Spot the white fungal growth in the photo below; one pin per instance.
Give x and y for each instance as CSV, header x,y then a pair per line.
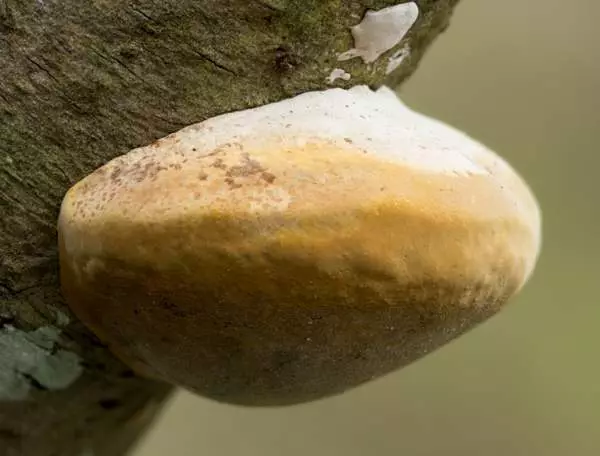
x,y
338,73
397,58
380,31
374,121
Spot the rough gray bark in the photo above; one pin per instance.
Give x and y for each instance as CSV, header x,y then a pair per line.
x,y
82,82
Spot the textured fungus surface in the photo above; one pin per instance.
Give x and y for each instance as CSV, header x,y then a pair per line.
x,y
292,251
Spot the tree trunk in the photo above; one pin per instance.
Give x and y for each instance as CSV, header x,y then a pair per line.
x,y
83,82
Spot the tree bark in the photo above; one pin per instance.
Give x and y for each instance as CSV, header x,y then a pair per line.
x,y
83,82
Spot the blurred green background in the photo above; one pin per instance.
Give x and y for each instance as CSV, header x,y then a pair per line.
x,y
523,76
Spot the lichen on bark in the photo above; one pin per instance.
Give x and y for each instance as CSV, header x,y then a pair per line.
x,y
83,82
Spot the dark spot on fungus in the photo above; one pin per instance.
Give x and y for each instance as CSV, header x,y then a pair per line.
x,y
115,174
232,183
219,164
268,177
249,167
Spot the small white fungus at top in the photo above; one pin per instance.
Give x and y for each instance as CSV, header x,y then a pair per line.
x,y
338,73
380,31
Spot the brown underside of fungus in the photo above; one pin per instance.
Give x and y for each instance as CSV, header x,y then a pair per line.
x,y
293,251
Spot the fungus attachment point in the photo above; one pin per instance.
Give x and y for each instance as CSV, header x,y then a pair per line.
x,y
290,252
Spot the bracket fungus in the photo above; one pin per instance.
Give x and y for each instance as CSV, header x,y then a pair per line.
x,y
290,252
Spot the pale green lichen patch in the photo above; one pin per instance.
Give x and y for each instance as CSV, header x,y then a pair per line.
x,y
31,360
62,319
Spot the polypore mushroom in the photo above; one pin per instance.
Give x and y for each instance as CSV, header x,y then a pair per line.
x,y
289,252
